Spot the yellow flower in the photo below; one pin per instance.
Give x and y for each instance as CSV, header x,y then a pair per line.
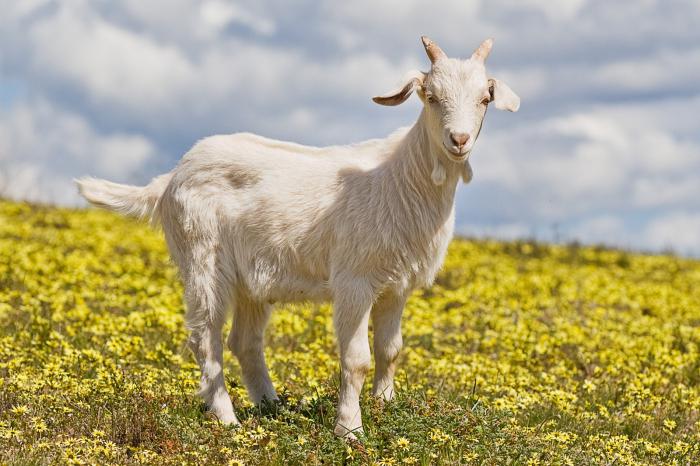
x,y
402,443
20,410
651,448
589,386
39,425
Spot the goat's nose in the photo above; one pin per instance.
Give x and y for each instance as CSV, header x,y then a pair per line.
x,y
459,139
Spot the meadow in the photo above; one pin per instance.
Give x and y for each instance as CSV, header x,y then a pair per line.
x,y
521,353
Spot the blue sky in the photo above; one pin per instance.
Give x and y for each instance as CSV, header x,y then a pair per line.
x,y
605,148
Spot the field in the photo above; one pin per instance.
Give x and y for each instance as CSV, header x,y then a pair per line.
x,y
521,353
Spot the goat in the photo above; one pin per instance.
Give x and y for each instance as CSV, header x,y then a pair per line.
x,y
251,221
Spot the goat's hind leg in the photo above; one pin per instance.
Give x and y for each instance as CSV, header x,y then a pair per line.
x,y
208,300
208,349
246,343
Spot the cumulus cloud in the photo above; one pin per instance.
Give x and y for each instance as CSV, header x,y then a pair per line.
x,y
677,231
43,148
604,229
112,65
220,14
589,172
604,148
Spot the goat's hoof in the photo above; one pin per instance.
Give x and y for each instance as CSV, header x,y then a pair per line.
x,y
230,422
383,389
225,419
348,434
265,401
268,406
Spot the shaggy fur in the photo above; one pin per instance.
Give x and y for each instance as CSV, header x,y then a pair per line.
x,y
251,221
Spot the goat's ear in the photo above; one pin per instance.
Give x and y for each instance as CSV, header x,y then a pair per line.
x,y
413,81
503,96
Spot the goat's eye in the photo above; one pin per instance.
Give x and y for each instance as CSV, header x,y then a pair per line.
x,y
430,97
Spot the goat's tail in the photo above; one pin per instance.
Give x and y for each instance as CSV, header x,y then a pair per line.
x,y
133,201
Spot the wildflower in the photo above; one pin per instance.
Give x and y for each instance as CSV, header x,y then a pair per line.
x,y
387,462
681,447
402,443
39,425
589,386
20,410
651,448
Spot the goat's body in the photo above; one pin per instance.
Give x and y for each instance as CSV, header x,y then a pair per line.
x,y
287,216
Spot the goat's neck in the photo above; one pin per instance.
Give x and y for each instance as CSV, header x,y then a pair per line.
x,y
410,167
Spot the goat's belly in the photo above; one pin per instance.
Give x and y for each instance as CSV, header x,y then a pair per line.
x,y
276,285
292,291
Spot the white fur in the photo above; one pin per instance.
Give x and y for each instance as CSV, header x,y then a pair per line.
x,y
251,221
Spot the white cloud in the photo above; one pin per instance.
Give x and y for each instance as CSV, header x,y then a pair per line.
x,y
679,231
42,149
112,65
14,12
590,171
605,229
662,191
504,231
606,156
671,69
562,10
219,14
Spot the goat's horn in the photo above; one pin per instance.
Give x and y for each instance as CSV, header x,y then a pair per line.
x,y
434,52
483,50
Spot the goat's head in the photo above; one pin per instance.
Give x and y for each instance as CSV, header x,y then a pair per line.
x,y
455,94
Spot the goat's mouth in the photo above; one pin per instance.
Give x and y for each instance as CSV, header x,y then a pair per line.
x,y
456,154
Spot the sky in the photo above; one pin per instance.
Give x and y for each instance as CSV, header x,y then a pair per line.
x,y
605,148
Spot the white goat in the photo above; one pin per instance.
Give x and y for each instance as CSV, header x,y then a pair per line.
x,y
251,221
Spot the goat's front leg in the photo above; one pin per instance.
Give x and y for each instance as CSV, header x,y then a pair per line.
x,y
386,317
352,306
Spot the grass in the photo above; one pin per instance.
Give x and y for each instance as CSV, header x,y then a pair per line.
x,y
521,353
